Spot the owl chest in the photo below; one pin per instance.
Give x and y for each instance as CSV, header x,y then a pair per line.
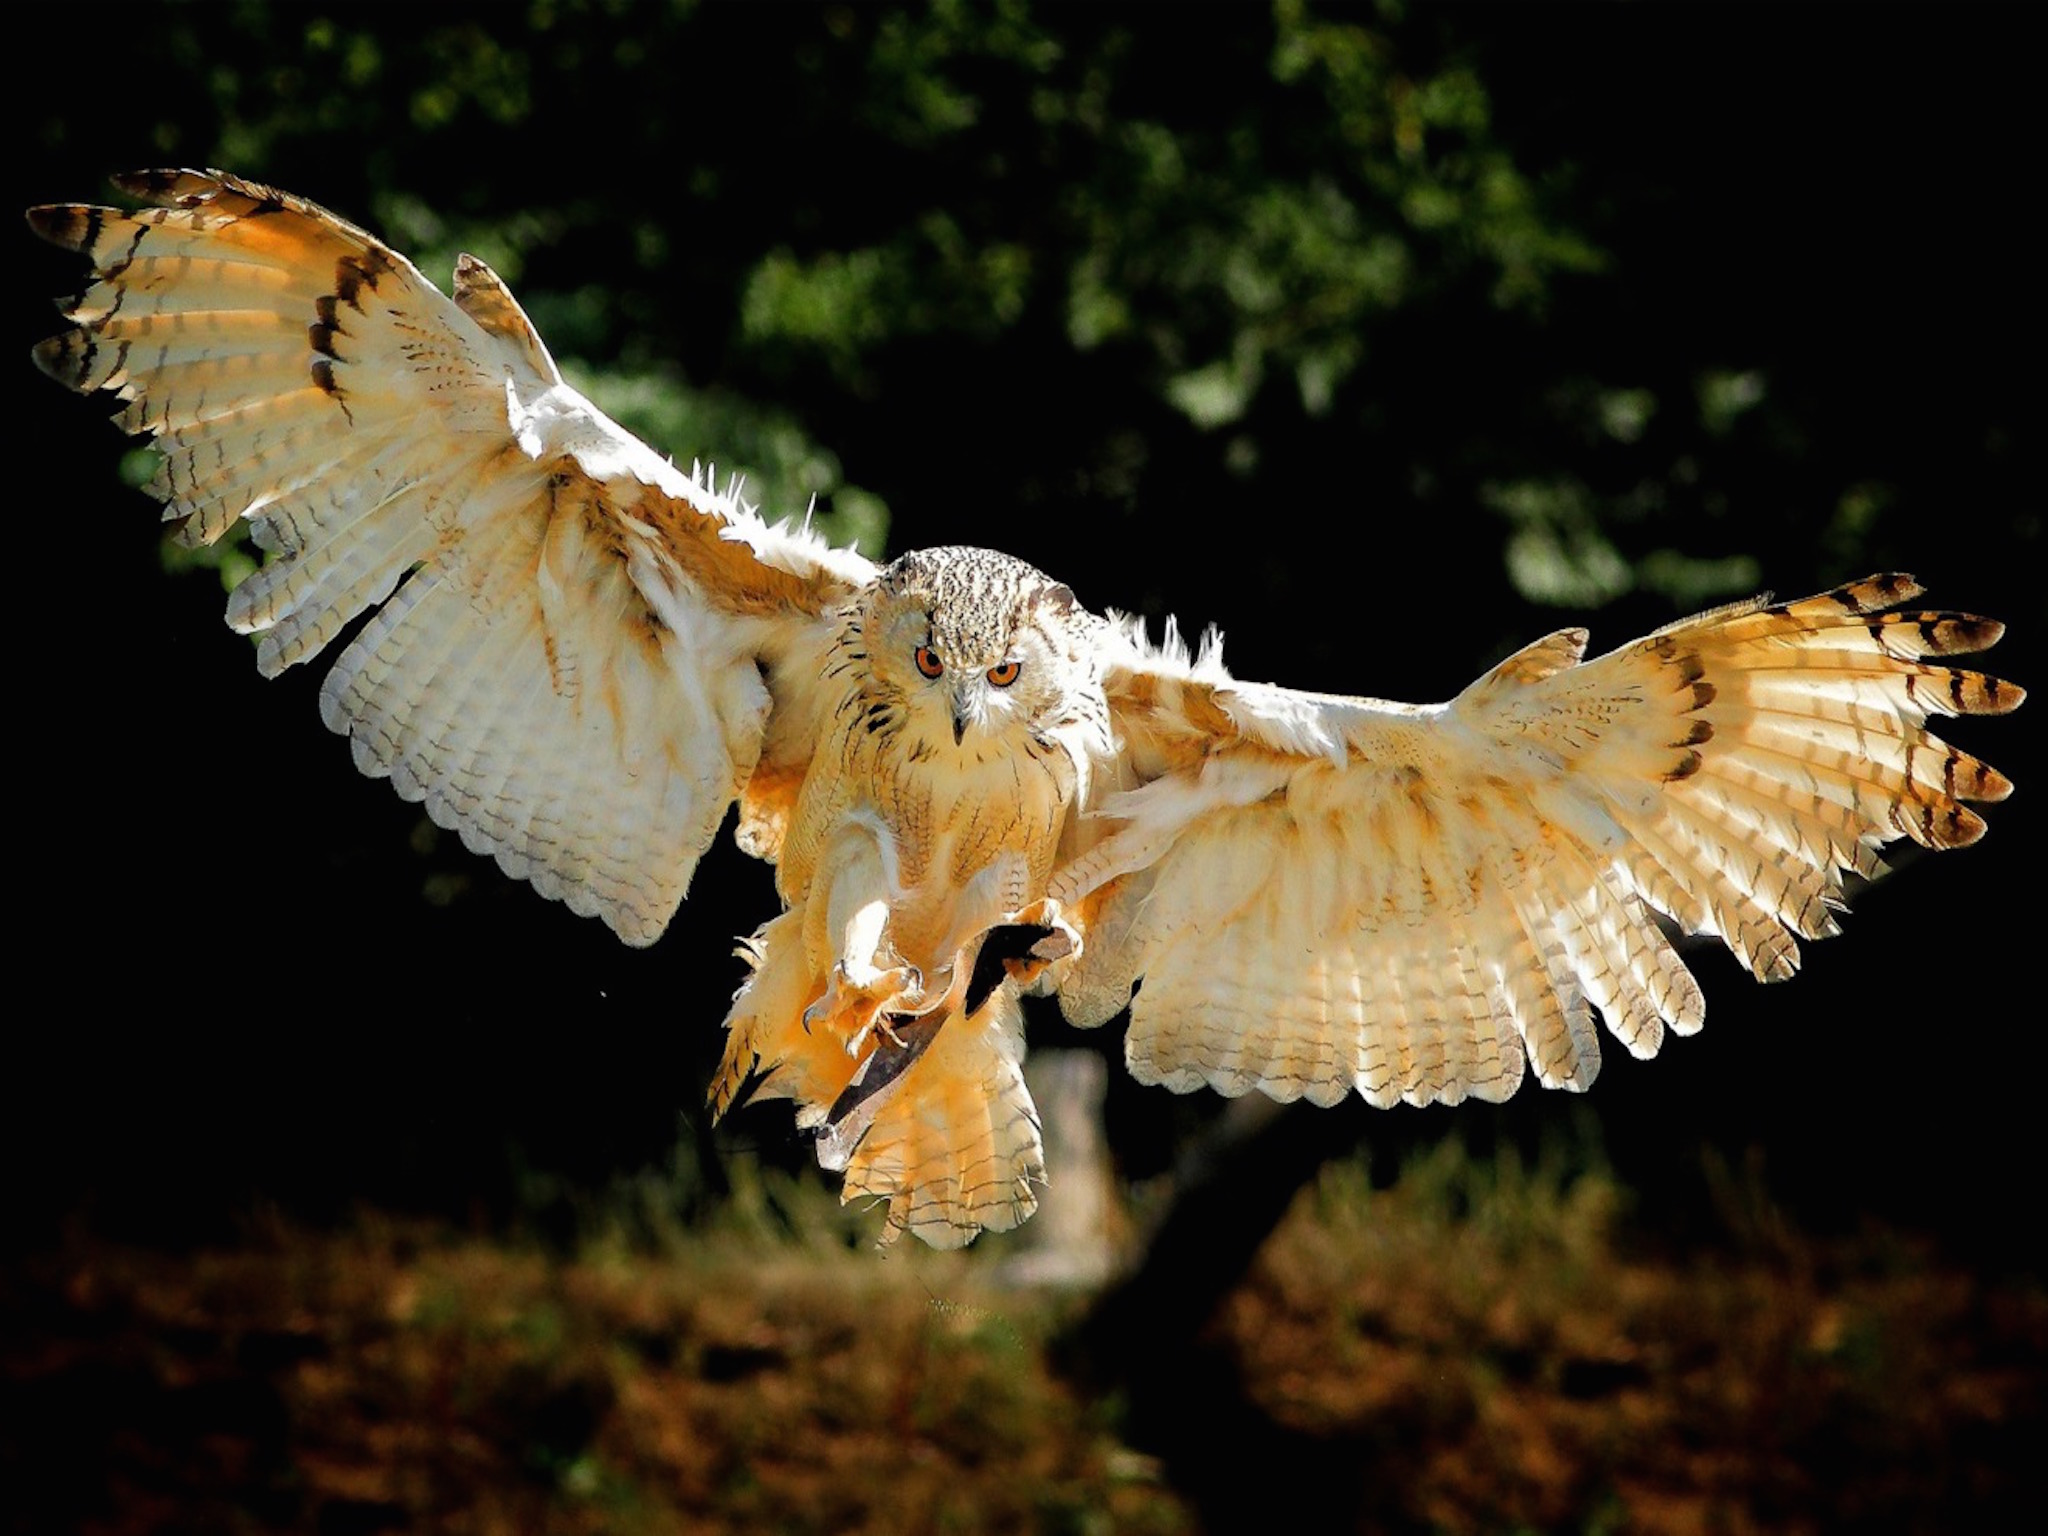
x,y
952,820
942,812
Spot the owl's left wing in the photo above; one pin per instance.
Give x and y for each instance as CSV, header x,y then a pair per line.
x,y
1323,895
577,656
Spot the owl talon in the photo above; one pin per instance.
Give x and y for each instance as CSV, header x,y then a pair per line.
x,y
883,1024
1048,912
1061,940
854,1007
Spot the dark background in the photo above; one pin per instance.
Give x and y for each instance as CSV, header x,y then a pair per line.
x,y
1011,248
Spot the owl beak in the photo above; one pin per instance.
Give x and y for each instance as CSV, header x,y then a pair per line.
x,y
967,710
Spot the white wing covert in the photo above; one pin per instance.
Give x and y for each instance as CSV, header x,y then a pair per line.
x,y
578,648
1323,895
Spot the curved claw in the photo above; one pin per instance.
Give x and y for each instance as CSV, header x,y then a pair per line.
x,y
1060,940
1047,912
853,1006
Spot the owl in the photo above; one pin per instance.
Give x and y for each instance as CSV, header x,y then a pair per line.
x,y
581,658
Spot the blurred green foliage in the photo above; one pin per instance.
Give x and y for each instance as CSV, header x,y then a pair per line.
x,y
1275,223
1229,221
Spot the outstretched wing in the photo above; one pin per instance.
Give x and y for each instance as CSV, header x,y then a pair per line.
x,y
577,650
1324,894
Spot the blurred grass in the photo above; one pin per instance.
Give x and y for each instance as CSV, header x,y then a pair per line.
x,y
408,1377
1492,1349
1478,1346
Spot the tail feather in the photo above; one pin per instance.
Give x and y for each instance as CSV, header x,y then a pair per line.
x,y
950,1146
956,1147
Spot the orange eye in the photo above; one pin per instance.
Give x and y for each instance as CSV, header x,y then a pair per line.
x,y
1006,674
928,662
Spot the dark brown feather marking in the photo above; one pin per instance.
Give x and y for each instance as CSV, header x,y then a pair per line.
x,y
1688,765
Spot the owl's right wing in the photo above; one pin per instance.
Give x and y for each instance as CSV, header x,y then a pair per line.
x,y
1325,895
577,652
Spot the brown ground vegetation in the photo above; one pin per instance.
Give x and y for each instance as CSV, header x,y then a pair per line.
x,y
1474,1349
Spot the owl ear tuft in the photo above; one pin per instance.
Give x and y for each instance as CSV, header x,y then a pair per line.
x,y
1059,598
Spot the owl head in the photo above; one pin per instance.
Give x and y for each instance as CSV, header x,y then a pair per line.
x,y
974,642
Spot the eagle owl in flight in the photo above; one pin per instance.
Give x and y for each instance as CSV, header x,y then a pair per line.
x,y
578,657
